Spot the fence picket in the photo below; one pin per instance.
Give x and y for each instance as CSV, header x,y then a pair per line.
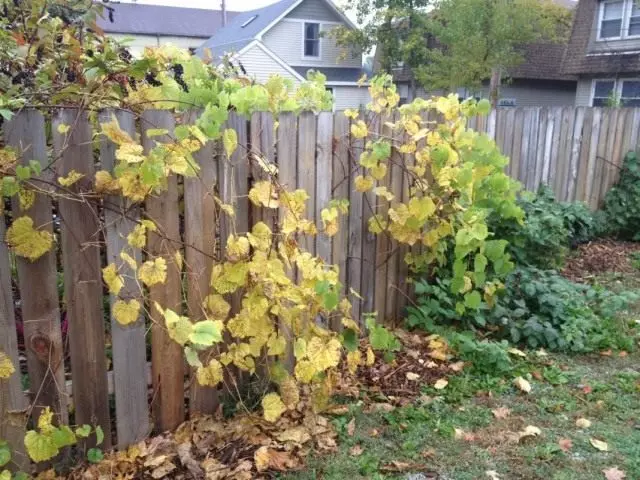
x,y
128,342
324,146
80,240
167,364
307,131
354,246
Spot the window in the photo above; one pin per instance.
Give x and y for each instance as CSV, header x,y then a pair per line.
x,y
311,39
603,92
621,92
618,19
630,93
612,13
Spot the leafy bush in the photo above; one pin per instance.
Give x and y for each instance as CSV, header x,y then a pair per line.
x,y
539,308
621,210
549,229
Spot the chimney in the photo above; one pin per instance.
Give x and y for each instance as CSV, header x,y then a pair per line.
x,y
224,13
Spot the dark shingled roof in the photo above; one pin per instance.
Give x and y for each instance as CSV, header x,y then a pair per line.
x,y
542,61
577,59
139,19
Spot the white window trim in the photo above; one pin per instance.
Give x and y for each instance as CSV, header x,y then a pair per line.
x,y
627,9
617,86
310,57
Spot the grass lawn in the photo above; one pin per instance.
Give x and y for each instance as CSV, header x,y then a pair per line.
x,y
474,426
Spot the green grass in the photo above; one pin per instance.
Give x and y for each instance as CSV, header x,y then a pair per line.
x,y
603,389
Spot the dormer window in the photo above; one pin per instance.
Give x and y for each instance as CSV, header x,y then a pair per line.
x,y
311,39
618,19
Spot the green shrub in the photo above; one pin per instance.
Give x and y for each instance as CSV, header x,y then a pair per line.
x,y
621,210
537,308
549,229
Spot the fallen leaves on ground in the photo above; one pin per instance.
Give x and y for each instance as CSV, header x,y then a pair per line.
x,y
522,384
598,257
565,444
614,474
501,412
583,423
599,444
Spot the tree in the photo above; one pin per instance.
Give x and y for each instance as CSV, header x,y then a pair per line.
x,y
396,28
480,39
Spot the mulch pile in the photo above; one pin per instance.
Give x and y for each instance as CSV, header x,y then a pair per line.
x,y
599,257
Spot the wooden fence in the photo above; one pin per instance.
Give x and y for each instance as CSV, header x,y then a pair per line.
x,y
576,150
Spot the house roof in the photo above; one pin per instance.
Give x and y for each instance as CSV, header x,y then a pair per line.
x,y
542,61
140,19
235,32
579,60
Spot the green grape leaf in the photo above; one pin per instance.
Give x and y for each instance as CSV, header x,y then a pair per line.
x,y
206,333
192,357
99,435
5,453
472,300
40,448
95,455
63,437
84,431
350,340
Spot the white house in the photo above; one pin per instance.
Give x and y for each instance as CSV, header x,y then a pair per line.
x,y
289,38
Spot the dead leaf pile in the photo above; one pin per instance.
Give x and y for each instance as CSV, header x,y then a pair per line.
x,y
598,257
207,448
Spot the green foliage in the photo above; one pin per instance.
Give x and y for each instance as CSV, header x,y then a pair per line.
x,y
621,210
474,37
549,229
382,339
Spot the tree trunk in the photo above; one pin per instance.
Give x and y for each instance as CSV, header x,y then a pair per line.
x,y
494,87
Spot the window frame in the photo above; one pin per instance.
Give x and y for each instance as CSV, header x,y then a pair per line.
x,y
617,88
627,10
304,40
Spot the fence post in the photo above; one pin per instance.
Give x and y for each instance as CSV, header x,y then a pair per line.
x,y
13,403
128,341
80,229
37,280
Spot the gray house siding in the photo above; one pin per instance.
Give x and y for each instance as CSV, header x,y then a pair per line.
x,y
286,40
314,9
537,93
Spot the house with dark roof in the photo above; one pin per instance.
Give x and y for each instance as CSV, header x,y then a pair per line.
x,y
289,38
604,53
155,25
538,81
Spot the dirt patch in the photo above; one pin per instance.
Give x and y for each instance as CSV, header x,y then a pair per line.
x,y
599,257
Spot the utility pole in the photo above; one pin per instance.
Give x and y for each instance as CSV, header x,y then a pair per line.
x,y
224,13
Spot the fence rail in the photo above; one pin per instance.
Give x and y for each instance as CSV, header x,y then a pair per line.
x,y
578,151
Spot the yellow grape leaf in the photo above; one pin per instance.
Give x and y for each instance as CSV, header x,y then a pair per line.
x,y
114,133
522,384
264,194
130,153
378,171
26,197
289,392
105,183
230,141
384,193
441,384
114,281
129,260
6,367
599,444
583,423
217,306
45,421
138,236
273,407
26,241
40,447
351,113
153,271
179,328
126,313
371,358
329,218
517,352
353,361
177,257
260,237
237,248
63,128
211,375
71,178
359,129
363,184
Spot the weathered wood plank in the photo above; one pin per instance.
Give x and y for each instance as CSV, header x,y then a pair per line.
x,y
525,147
354,246
617,153
583,159
13,403
576,139
200,237
324,159
516,151
167,362
593,151
128,341
369,239
600,162
37,280
80,237
548,142
307,126
340,190
540,148
286,152
564,152
613,142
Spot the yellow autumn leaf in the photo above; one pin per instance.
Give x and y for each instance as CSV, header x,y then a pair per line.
x,y
138,236
351,113
114,133
26,241
237,248
264,194
129,260
384,193
359,129
179,328
211,375
583,423
6,366
599,444
441,384
217,306
153,272
260,237
63,128
126,313
26,197
289,392
273,407
105,183
363,184
230,141
114,281
371,358
130,153
353,361
522,384
71,178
